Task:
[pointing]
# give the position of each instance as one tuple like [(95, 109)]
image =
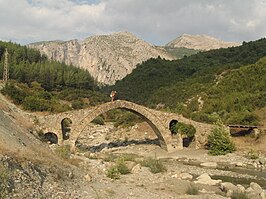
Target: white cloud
[(157, 21)]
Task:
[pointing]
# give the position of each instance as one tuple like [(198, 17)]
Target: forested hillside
[(40, 84), (196, 87)]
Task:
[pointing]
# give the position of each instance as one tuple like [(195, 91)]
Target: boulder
[(263, 194), (209, 164), (186, 176), (136, 169), (206, 179), (256, 187), (226, 186), (88, 178), (240, 188)]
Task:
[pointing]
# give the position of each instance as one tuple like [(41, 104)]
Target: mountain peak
[(108, 58), (199, 42)]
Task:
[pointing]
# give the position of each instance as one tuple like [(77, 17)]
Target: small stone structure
[(159, 121)]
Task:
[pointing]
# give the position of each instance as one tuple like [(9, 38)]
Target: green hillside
[(41, 85), (178, 84)]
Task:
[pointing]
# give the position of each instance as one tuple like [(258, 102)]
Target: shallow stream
[(258, 174)]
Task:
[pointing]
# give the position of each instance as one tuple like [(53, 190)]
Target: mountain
[(108, 58), (199, 42)]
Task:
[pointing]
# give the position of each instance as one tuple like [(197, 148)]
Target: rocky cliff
[(108, 58), (199, 42)]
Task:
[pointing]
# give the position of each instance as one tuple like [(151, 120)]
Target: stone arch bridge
[(159, 121)]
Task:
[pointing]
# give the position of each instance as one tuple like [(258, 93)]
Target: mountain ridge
[(199, 42), (108, 58)]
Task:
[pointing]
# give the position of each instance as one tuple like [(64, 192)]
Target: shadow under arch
[(51, 138), (147, 116), (66, 128), (172, 127)]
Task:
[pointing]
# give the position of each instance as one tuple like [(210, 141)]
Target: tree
[(219, 140)]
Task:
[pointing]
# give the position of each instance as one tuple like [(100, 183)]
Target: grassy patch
[(113, 173), (120, 168), (155, 166), (63, 151)]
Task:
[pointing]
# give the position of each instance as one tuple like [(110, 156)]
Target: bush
[(98, 120), (252, 154), (219, 140), (127, 119), (154, 165), (33, 103), (77, 104), (113, 173), (122, 167), (192, 190), (186, 129)]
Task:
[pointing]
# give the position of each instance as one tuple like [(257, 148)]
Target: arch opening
[(66, 128), (172, 127), (50, 138), (152, 137)]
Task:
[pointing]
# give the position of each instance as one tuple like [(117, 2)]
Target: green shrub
[(252, 154), (219, 140), (122, 167), (63, 151), (127, 119), (113, 173), (155, 166), (98, 120), (239, 195), (33, 103), (192, 190), (186, 129), (77, 104)]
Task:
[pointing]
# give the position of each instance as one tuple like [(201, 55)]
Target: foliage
[(252, 154), (230, 81), (40, 84), (155, 165), (192, 190), (219, 140), (77, 104), (121, 166), (4, 180), (126, 119), (98, 120), (239, 195), (187, 130), (63, 151), (113, 173)]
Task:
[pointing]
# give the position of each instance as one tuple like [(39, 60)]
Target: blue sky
[(155, 21)]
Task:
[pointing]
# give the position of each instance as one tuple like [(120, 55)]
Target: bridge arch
[(161, 132)]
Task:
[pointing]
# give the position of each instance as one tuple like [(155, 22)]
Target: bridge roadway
[(159, 121)]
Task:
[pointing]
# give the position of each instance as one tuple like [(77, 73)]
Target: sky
[(155, 21)]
